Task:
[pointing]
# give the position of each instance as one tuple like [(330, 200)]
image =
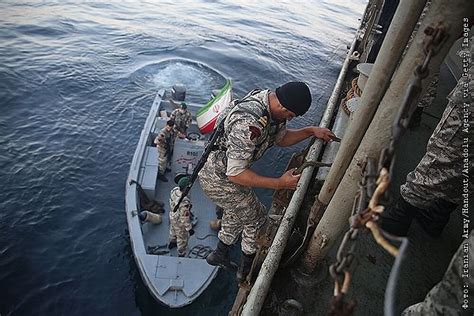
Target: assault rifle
[(207, 150)]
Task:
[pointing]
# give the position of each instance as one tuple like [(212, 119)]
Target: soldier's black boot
[(397, 219), (220, 257), (245, 267), (434, 219)]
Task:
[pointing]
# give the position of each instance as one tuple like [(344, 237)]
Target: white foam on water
[(198, 80)]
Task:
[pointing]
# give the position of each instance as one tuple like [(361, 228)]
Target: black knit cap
[(294, 96)]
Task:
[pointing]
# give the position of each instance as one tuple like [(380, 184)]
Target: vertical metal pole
[(447, 13), (397, 37), (392, 48)]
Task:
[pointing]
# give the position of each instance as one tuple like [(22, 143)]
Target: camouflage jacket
[(182, 216), (165, 138), (181, 120), (248, 131)]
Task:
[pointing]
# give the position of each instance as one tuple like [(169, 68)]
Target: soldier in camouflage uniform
[(165, 143), (182, 119), (434, 189), (251, 126), (180, 221), (447, 297)]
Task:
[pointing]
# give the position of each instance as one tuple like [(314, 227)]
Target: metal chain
[(341, 270), (436, 37), (374, 185)]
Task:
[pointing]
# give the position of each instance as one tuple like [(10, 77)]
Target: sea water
[(77, 79)]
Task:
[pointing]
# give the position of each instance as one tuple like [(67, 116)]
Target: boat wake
[(198, 78)]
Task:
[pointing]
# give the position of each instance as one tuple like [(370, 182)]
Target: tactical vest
[(262, 116)]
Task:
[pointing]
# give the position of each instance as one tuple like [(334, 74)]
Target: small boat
[(172, 280)]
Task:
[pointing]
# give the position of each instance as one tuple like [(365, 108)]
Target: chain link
[(373, 187), (436, 37)]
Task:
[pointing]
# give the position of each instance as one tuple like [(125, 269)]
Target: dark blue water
[(76, 83)]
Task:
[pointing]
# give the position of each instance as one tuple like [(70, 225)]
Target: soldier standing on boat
[(165, 143), (251, 126), (180, 221), (435, 188), (182, 119)]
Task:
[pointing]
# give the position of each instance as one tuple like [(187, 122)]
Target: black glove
[(191, 232)]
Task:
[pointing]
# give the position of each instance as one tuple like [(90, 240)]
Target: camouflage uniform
[(248, 133), (436, 184), (446, 297), (164, 143), (180, 221), (181, 120)]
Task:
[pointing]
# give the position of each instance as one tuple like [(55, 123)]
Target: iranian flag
[(207, 116)]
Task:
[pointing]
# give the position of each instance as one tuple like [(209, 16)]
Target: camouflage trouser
[(162, 159), (243, 212), (447, 297), (437, 181), (180, 235)]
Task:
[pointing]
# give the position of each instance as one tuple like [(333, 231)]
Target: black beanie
[(294, 96)]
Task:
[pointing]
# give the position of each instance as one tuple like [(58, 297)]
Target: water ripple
[(76, 84)]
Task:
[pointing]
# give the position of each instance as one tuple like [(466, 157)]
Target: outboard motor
[(178, 92)]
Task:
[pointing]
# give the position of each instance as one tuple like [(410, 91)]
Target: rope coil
[(353, 92)]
